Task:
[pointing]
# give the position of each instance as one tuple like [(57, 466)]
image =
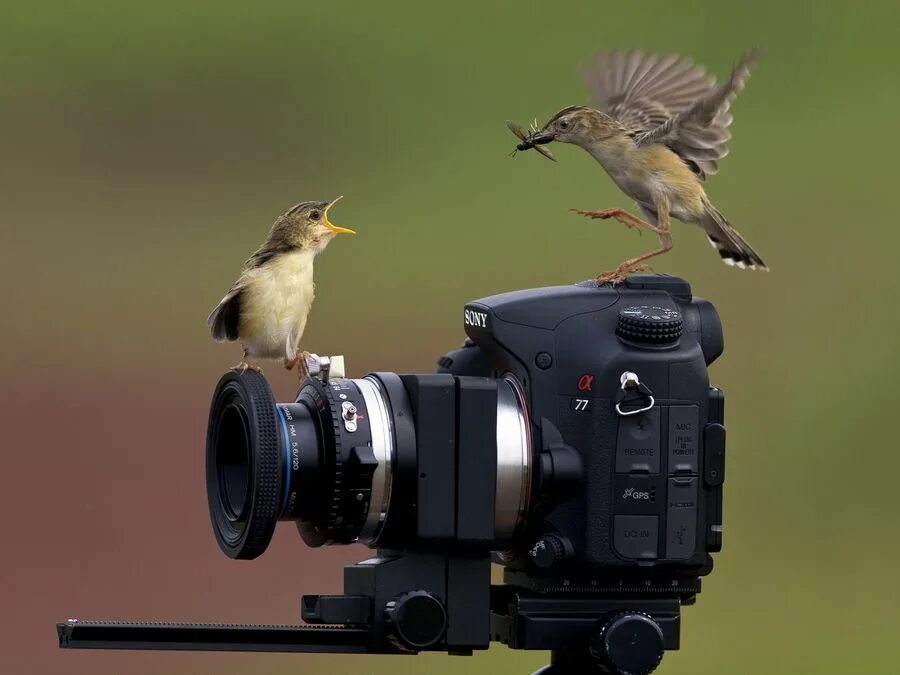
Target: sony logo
[(476, 319)]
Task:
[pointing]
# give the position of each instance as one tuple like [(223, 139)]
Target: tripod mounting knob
[(415, 620), (629, 643), (550, 550)]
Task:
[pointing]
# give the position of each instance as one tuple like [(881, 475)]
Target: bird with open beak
[(658, 127), (267, 307)]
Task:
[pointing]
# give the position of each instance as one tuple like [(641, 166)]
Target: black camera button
[(681, 518), (636, 537), (637, 445), (543, 360), (684, 436)]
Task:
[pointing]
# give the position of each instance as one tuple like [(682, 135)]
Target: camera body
[(650, 490), (574, 439)]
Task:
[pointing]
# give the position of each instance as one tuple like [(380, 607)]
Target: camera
[(574, 440)]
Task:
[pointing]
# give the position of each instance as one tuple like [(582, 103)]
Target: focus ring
[(248, 396), (266, 492)]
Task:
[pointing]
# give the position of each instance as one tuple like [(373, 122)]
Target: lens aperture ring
[(337, 485), (347, 462)]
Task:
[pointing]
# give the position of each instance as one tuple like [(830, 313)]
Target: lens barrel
[(339, 458)]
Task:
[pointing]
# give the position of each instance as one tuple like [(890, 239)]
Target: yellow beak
[(337, 229)]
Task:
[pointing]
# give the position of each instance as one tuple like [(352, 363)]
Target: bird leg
[(244, 364), (628, 219), (299, 360), (633, 265)]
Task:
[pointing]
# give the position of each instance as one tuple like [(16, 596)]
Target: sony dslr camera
[(574, 440)]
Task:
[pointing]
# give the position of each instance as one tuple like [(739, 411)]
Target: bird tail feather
[(223, 320), (731, 246)]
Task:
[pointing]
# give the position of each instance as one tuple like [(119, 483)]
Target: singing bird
[(267, 307), (658, 126)]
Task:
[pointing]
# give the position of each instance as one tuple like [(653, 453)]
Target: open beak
[(337, 229)]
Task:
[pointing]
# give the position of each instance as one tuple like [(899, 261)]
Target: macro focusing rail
[(74, 634)]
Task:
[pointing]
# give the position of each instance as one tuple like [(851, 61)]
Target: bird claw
[(302, 367), (243, 366), (300, 361), (603, 215), (618, 275)]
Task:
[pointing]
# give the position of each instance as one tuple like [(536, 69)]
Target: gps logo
[(636, 495)]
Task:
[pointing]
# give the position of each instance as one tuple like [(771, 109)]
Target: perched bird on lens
[(267, 307), (658, 126)]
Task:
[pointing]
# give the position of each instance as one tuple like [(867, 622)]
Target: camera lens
[(324, 461), (343, 457)]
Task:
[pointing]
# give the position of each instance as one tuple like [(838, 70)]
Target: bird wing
[(265, 253), (225, 318), (663, 98)]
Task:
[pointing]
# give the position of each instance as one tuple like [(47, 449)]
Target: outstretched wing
[(664, 98)]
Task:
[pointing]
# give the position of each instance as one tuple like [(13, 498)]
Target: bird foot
[(618, 275), (300, 362), (603, 215), (609, 213), (243, 366)]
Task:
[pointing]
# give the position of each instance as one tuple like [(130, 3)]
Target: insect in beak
[(531, 139)]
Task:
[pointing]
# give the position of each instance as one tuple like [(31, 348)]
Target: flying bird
[(267, 307), (658, 125)]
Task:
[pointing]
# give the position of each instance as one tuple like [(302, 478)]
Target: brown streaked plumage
[(267, 307), (658, 128)]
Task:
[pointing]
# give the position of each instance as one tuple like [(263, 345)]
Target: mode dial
[(650, 324)]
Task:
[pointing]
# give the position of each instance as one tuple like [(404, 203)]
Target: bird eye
[(314, 214), (564, 124)]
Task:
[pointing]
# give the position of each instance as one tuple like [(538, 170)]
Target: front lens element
[(233, 463)]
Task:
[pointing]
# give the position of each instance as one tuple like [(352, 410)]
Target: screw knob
[(631, 643), (549, 550), (416, 620), (650, 324)]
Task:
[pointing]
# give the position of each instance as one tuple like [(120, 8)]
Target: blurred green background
[(145, 148)]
